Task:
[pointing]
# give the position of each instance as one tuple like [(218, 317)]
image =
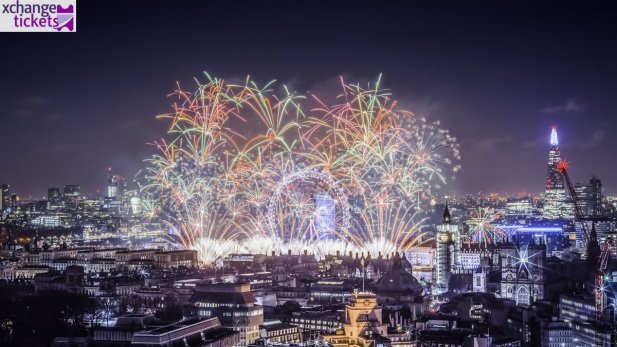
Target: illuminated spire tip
[(554, 140)]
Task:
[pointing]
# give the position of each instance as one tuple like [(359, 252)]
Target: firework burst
[(248, 168), (482, 229)]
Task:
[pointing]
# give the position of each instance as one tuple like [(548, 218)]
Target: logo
[(38, 15)]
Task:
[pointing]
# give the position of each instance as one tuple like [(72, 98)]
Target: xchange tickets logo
[(38, 15)]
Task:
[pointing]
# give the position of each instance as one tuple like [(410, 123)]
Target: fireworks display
[(481, 228), (245, 168)]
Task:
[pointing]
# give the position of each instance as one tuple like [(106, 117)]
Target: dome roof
[(398, 280)]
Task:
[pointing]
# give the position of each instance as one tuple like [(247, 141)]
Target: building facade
[(522, 272), (447, 253), (233, 304), (556, 204)]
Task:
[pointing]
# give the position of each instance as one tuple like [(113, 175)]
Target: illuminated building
[(472, 254), (519, 207), (556, 204), (278, 332), (71, 190), (5, 197), (135, 203), (233, 304), (71, 194), (29, 271), (131, 260), (448, 247), (53, 195), (604, 228), (47, 221), (114, 185), (422, 261), (480, 307), (522, 272), (579, 312), (479, 279), (364, 323), (556, 334), (175, 259), (590, 198), (553, 237), (190, 332), (321, 321), (333, 290), (114, 199)]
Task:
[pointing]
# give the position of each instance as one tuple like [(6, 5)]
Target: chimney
[(273, 253), (338, 253), (289, 252), (305, 252)]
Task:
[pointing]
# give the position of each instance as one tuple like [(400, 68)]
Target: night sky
[(497, 75)]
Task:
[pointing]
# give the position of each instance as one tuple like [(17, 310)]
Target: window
[(522, 297)]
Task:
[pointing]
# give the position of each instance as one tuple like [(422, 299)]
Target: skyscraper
[(116, 185), (71, 190), (71, 194), (556, 205), (112, 185), (590, 198), (5, 197), (53, 195)]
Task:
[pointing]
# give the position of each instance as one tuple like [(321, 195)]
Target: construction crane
[(604, 256)]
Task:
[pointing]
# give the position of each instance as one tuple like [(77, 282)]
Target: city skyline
[(308, 174), (101, 191), (512, 84)]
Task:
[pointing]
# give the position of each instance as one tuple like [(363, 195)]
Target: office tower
[(53, 195), (556, 205), (71, 190), (590, 198), (116, 185), (14, 201), (5, 197), (71, 194), (112, 185)]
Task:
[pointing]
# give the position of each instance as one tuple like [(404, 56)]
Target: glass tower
[(556, 205)]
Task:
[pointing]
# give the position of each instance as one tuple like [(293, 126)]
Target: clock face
[(367, 302)]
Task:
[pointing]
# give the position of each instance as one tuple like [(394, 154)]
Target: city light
[(402, 182)]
